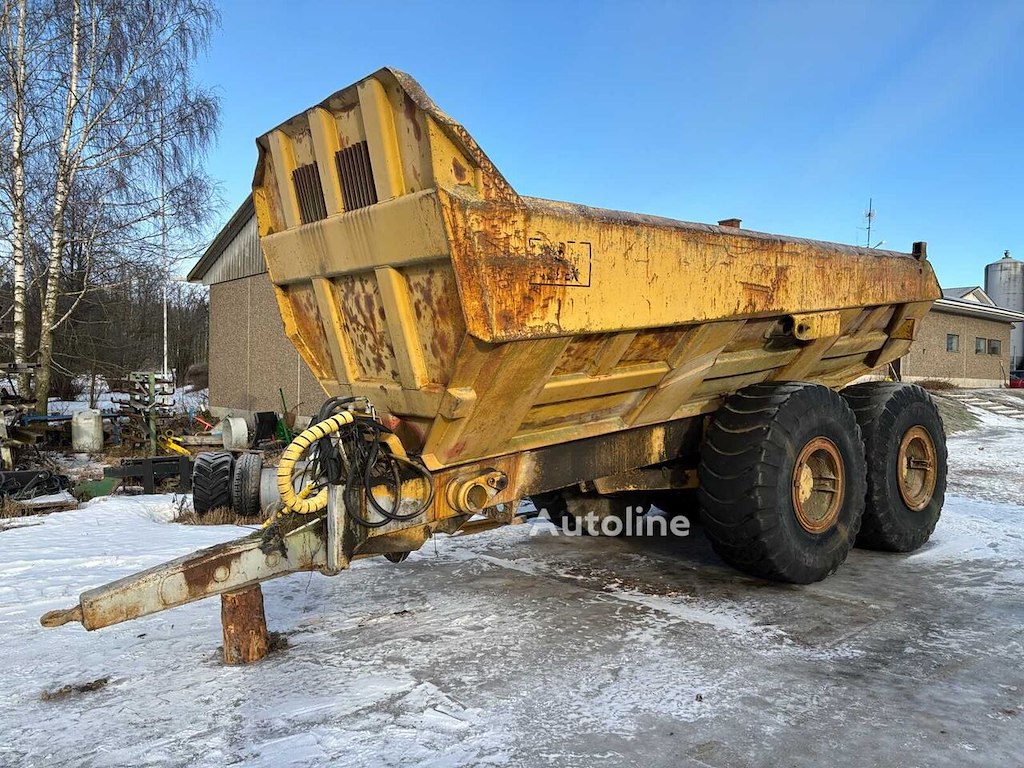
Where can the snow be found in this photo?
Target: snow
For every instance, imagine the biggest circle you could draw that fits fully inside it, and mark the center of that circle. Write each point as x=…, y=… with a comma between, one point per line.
x=520, y=648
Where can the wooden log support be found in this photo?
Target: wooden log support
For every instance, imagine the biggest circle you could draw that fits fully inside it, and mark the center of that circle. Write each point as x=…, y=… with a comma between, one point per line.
x=244, y=625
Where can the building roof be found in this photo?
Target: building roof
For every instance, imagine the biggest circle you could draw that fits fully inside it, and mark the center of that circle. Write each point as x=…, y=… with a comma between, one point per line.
x=231, y=230
x=973, y=307
x=973, y=293
x=957, y=293
x=1006, y=257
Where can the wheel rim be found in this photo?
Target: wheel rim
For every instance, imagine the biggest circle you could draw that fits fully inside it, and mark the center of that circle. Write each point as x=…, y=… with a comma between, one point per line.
x=916, y=468
x=818, y=485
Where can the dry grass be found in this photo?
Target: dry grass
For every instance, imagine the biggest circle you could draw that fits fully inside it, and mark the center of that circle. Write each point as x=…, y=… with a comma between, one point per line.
x=74, y=690
x=219, y=516
x=937, y=385
x=10, y=509
x=955, y=416
x=14, y=514
x=112, y=454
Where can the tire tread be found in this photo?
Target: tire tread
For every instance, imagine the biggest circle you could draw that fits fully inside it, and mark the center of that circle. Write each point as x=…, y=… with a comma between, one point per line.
x=743, y=452
x=211, y=481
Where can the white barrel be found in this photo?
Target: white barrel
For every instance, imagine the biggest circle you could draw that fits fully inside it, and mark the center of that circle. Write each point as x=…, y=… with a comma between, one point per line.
x=269, y=493
x=87, y=431
x=235, y=433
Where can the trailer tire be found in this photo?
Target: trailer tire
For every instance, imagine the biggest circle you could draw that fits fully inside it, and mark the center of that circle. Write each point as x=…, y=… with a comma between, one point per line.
x=245, y=485
x=211, y=481
x=905, y=442
x=782, y=481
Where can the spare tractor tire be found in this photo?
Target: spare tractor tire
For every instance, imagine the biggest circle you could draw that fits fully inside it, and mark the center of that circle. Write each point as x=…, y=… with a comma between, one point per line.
x=905, y=444
x=782, y=481
x=211, y=481
x=245, y=485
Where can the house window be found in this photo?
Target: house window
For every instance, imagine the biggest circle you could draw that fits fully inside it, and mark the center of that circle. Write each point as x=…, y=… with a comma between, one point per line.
x=980, y=346
x=995, y=347
x=952, y=342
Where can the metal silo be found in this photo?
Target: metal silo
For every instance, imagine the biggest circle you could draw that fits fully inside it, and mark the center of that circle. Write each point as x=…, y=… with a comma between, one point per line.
x=1004, y=283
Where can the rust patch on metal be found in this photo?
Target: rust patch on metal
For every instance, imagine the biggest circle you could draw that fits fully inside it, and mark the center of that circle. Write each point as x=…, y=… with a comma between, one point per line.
x=435, y=303
x=412, y=432
x=58, y=618
x=524, y=304
x=366, y=323
x=309, y=326
x=916, y=468
x=753, y=334
x=560, y=263
x=459, y=171
x=495, y=187
x=819, y=485
x=579, y=355
x=200, y=575
x=409, y=108
x=652, y=346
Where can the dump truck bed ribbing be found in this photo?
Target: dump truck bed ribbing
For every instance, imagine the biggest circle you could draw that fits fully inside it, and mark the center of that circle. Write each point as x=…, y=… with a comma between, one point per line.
x=516, y=345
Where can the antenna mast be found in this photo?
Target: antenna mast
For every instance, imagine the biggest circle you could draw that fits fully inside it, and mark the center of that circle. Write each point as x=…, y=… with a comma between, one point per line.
x=869, y=216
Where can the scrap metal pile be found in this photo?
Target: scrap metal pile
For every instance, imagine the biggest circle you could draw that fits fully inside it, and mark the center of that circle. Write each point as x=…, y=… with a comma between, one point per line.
x=15, y=435
x=145, y=412
x=22, y=479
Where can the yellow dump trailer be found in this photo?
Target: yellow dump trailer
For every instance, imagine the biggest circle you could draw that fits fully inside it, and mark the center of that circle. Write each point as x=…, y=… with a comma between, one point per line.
x=480, y=347
x=409, y=271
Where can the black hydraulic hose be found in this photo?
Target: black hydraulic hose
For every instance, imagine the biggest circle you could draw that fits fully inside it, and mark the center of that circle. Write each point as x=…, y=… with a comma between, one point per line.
x=355, y=456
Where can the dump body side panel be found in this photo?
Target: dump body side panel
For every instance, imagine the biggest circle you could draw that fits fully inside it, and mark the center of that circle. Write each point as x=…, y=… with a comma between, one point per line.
x=551, y=269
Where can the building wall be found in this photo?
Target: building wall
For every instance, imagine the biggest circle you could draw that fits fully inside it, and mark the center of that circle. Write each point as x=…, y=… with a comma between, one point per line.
x=250, y=356
x=929, y=359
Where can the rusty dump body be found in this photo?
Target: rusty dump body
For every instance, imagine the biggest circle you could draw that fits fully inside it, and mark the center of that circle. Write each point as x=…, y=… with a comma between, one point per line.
x=516, y=346
x=408, y=270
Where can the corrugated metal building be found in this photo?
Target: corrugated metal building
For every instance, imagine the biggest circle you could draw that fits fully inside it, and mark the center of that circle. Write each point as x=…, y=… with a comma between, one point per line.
x=250, y=358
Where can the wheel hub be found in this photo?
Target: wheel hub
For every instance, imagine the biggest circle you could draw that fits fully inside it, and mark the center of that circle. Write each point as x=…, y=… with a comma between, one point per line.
x=818, y=485
x=916, y=468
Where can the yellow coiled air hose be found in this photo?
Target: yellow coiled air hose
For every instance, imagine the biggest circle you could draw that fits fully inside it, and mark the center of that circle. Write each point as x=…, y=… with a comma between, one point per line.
x=298, y=502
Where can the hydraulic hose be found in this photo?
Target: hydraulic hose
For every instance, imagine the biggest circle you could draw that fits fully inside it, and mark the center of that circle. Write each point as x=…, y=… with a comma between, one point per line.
x=298, y=502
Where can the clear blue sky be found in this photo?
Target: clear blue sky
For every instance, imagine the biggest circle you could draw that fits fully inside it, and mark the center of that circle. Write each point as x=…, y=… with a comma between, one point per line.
x=789, y=115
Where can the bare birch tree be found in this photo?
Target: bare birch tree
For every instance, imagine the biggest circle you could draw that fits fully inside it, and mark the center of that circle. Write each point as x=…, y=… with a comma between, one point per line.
x=119, y=131
x=15, y=20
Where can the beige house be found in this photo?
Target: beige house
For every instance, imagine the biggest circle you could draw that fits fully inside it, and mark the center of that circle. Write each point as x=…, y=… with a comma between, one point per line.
x=251, y=360
x=964, y=339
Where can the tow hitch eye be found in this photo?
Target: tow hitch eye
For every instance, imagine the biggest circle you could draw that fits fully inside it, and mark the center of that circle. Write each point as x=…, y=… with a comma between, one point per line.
x=473, y=494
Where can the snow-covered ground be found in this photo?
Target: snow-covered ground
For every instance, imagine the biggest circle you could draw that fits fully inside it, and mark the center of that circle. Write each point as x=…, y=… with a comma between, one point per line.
x=534, y=650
